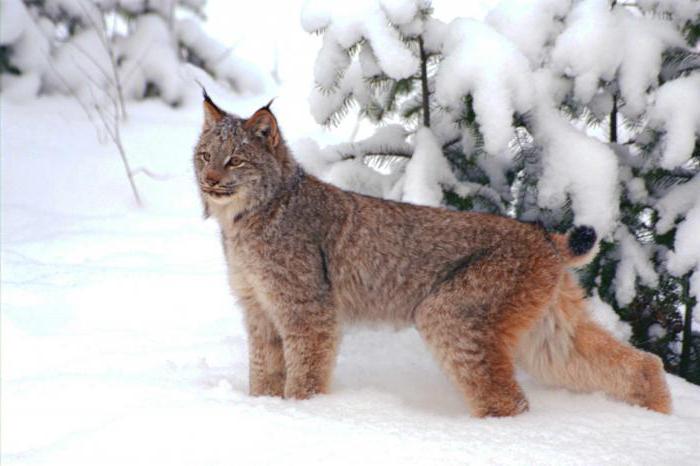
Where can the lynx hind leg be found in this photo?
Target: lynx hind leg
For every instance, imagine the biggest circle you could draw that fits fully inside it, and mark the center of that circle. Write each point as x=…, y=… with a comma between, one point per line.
x=471, y=353
x=565, y=348
x=266, y=354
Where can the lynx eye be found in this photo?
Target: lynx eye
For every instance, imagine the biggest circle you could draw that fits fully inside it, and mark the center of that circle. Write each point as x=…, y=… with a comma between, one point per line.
x=205, y=156
x=234, y=162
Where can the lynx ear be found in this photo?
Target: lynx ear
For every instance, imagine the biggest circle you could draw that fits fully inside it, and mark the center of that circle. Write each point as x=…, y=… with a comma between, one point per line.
x=212, y=113
x=264, y=125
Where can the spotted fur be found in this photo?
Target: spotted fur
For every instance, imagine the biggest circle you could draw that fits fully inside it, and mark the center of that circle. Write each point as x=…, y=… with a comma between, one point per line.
x=484, y=291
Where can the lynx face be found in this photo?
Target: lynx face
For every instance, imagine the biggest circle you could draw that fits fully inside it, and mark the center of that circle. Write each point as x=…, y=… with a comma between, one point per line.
x=234, y=160
x=229, y=163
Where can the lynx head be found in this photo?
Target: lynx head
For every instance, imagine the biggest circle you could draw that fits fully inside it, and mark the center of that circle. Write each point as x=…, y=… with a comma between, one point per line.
x=240, y=164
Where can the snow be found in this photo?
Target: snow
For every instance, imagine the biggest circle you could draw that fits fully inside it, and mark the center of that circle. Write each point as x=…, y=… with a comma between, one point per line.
x=529, y=24
x=434, y=35
x=601, y=104
x=413, y=171
x=344, y=164
x=122, y=345
x=242, y=76
x=326, y=105
x=82, y=66
x=31, y=49
x=686, y=253
x=79, y=64
x=401, y=12
x=331, y=62
x=20, y=88
x=354, y=175
x=157, y=63
x=12, y=21
x=682, y=10
x=391, y=138
x=86, y=12
x=605, y=315
x=584, y=51
x=347, y=23
x=427, y=171
x=480, y=62
x=673, y=112
x=575, y=166
x=368, y=62
x=634, y=262
x=676, y=202
x=646, y=40
x=315, y=15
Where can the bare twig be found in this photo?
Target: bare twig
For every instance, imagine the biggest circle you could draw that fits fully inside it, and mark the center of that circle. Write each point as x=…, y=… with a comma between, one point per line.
x=113, y=130
x=108, y=46
x=110, y=120
x=151, y=174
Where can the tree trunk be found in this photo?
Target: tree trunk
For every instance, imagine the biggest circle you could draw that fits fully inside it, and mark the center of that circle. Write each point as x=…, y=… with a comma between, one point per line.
x=424, y=83
x=613, y=121
x=687, y=327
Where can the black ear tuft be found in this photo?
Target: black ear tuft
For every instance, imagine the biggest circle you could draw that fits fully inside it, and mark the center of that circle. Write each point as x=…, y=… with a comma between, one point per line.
x=269, y=104
x=206, y=97
x=581, y=240
x=212, y=112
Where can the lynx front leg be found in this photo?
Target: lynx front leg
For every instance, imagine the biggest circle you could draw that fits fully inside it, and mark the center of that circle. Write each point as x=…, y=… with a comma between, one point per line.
x=310, y=345
x=266, y=354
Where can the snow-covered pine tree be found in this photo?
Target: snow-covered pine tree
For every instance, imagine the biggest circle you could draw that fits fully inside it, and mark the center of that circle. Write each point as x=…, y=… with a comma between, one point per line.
x=553, y=111
x=141, y=47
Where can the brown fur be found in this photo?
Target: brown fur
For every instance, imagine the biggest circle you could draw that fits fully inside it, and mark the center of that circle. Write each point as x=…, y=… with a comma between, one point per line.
x=484, y=291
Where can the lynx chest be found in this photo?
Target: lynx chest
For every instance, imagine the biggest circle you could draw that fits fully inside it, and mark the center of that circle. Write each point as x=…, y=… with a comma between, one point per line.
x=276, y=270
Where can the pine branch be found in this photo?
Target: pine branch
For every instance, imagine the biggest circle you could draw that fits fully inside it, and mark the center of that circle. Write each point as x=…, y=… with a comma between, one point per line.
x=677, y=62
x=106, y=42
x=378, y=152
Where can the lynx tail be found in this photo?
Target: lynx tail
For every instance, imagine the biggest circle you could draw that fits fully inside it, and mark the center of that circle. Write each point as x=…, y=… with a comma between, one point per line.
x=578, y=247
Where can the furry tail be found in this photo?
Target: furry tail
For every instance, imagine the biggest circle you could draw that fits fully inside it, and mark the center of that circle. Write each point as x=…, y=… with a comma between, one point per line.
x=578, y=247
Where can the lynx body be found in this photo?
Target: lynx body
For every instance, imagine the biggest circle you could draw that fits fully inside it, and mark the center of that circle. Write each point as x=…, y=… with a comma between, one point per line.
x=485, y=292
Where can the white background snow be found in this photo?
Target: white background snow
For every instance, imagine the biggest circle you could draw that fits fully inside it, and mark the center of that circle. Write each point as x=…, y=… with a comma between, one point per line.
x=122, y=345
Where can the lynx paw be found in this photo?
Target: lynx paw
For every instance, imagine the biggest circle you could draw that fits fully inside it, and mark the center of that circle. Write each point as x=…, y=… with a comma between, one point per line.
x=504, y=407
x=654, y=390
x=272, y=385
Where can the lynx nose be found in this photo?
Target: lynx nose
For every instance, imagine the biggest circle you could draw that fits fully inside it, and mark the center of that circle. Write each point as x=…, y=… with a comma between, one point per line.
x=212, y=178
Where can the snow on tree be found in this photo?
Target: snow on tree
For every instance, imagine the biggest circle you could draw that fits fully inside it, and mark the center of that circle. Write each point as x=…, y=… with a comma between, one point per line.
x=105, y=52
x=23, y=50
x=144, y=47
x=554, y=111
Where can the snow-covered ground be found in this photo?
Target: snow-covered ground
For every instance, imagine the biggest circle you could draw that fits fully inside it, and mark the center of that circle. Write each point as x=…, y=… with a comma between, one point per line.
x=122, y=345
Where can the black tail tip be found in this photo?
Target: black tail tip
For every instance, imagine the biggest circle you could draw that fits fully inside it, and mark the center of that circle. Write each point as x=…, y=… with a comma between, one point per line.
x=581, y=240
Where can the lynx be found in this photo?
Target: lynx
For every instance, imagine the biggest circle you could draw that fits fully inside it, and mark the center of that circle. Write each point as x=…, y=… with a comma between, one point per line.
x=485, y=292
